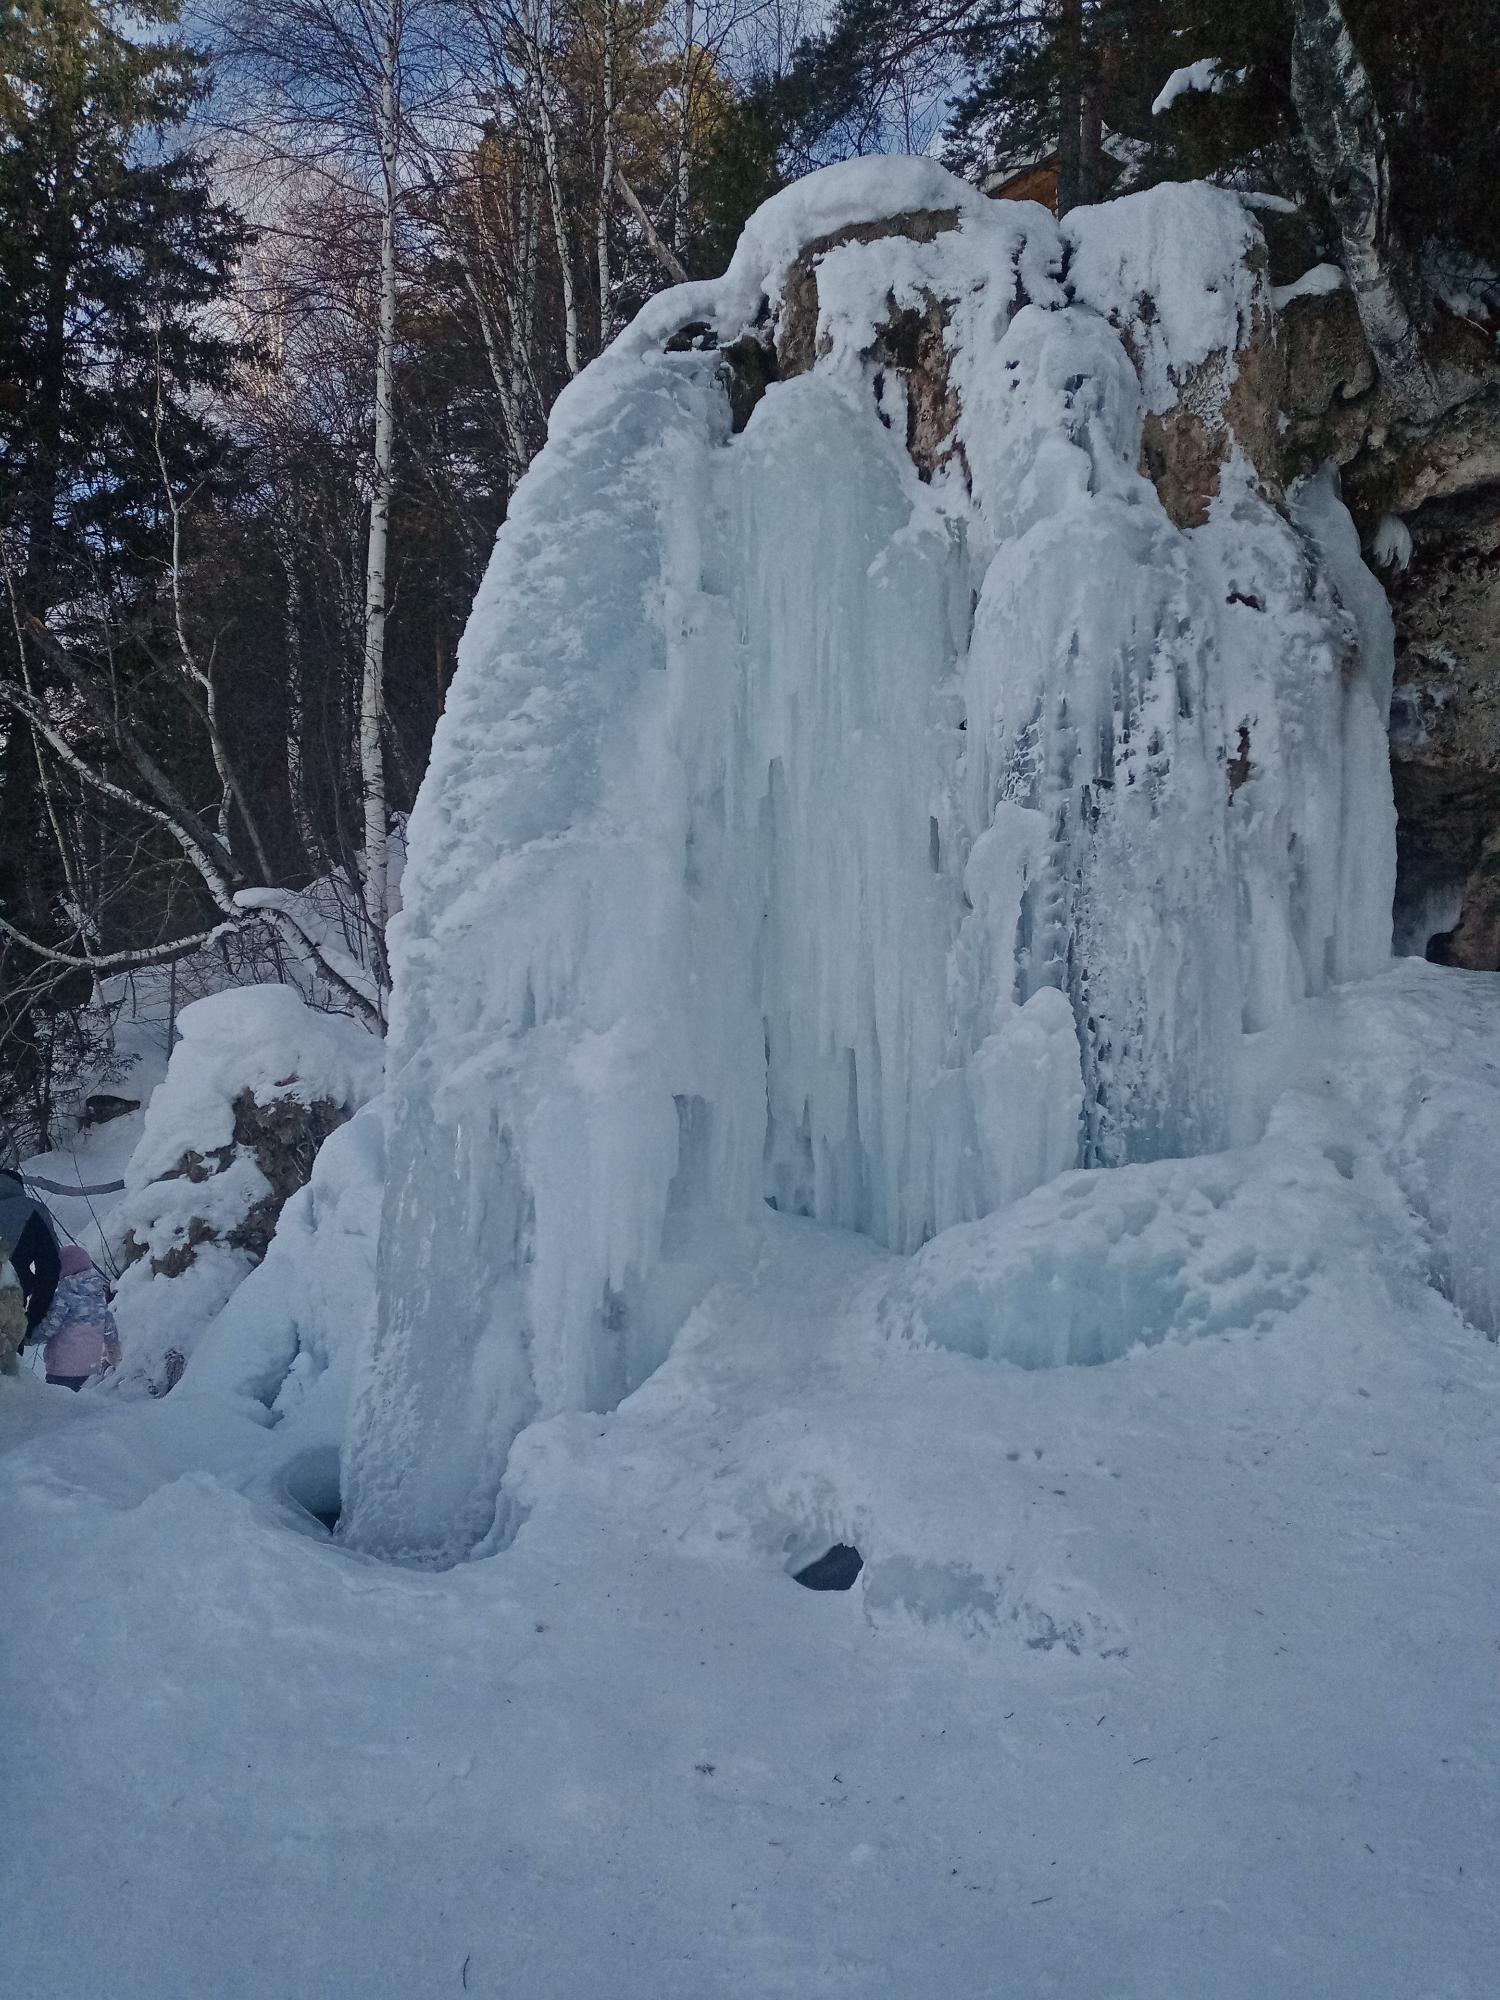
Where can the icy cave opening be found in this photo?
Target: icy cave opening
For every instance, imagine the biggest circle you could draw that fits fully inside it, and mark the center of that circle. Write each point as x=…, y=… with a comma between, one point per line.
x=875, y=816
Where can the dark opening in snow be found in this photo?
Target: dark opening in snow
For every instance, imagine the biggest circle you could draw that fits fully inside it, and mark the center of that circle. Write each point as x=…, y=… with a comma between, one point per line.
x=311, y=1482
x=834, y=1570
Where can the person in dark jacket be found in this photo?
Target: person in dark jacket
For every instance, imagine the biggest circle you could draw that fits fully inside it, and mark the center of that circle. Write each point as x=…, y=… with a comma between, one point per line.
x=29, y=1241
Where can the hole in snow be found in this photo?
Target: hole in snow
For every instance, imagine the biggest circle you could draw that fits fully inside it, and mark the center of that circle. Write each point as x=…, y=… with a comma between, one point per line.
x=311, y=1481
x=836, y=1569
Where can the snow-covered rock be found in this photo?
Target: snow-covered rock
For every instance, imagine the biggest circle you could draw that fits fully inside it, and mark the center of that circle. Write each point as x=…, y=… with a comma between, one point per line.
x=837, y=813
x=256, y=1083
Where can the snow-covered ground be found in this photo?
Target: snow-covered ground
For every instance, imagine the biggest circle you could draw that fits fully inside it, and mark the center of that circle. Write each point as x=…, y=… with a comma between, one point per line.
x=817, y=863
x=1175, y=1676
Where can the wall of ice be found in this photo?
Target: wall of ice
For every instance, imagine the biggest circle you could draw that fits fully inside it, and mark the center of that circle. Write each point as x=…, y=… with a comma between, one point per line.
x=803, y=828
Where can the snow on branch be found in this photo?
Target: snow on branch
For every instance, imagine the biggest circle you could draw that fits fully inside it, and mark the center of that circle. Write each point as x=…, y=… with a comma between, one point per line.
x=1207, y=75
x=312, y=937
x=106, y=964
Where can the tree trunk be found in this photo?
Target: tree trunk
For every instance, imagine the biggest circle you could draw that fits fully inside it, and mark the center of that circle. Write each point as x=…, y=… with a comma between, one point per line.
x=668, y=262
x=555, y=198
x=606, y=174
x=288, y=550
x=373, y=854
x=684, y=141
x=1346, y=143
x=1070, y=108
x=1090, y=145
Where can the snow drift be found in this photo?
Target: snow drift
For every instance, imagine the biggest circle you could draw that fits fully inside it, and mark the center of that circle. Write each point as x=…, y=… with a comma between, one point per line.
x=864, y=790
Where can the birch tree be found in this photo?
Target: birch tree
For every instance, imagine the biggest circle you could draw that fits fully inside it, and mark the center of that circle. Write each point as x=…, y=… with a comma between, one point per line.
x=1346, y=142
x=375, y=848
x=334, y=87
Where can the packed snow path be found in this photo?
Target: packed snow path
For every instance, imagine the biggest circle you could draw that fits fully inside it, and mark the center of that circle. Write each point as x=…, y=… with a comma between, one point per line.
x=1175, y=1676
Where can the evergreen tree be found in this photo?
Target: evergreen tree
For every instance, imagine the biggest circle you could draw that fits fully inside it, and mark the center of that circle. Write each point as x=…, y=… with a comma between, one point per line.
x=1436, y=78
x=1056, y=75
x=1030, y=77
x=111, y=249
x=111, y=244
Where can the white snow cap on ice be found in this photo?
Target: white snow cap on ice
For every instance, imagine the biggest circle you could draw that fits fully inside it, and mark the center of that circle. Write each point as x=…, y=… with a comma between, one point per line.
x=1314, y=284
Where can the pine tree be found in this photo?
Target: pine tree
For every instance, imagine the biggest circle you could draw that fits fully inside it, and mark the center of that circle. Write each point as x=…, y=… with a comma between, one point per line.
x=111, y=248
x=1029, y=77
x=1059, y=75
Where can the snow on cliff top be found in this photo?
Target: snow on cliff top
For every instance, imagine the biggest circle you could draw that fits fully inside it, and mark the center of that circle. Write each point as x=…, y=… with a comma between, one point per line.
x=1182, y=244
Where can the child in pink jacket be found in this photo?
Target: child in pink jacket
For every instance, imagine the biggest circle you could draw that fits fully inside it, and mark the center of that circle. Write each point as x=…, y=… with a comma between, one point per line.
x=79, y=1330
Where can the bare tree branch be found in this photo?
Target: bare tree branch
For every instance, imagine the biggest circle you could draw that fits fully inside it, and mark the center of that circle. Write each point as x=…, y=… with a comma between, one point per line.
x=667, y=259
x=104, y=964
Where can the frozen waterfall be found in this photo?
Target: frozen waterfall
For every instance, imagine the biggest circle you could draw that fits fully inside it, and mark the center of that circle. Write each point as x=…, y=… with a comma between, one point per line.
x=875, y=805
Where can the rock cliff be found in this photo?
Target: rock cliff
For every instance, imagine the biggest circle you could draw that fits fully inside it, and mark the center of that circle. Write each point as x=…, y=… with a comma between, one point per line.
x=1426, y=498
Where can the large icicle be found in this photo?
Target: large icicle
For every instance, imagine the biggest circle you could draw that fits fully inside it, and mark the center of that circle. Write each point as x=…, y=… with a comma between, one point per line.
x=878, y=843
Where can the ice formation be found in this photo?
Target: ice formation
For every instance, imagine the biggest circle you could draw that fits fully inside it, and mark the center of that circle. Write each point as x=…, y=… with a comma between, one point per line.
x=878, y=806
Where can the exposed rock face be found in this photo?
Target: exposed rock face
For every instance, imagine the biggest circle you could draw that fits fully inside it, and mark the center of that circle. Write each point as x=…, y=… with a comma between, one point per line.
x=1474, y=942
x=1441, y=483
x=797, y=329
x=281, y=1140
x=1221, y=408
x=1328, y=367
x=913, y=345
x=1445, y=715
x=1312, y=376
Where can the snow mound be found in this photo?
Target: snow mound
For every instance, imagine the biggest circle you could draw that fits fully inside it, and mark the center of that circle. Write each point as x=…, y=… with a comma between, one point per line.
x=1093, y=1709
x=1414, y=1059
x=870, y=801
x=1176, y=266
x=262, y=1039
x=1103, y=1263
